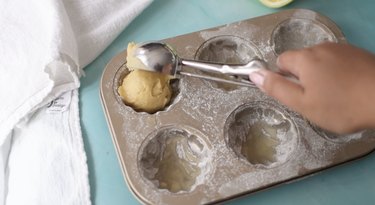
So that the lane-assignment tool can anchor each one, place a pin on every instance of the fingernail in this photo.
(257, 78)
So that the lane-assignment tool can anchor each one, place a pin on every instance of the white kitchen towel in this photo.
(44, 44)
(47, 163)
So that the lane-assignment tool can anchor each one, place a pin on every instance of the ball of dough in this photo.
(146, 91)
(133, 62)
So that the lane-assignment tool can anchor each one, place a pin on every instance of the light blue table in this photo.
(352, 183)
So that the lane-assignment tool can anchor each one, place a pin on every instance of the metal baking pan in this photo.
(217, 141)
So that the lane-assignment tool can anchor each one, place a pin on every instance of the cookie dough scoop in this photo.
(160, 57)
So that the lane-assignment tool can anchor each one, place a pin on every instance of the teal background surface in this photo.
(351, 183)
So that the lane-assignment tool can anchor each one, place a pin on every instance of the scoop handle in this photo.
(243, 70)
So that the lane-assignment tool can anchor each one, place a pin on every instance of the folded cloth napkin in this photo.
(44, 46)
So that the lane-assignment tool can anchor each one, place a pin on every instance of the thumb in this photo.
(287, 92)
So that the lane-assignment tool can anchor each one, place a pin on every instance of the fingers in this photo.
(277, 86)
(289, 62)
(295, 61)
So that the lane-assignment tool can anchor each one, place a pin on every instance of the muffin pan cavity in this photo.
(296, 33)
(343, 138)
(226, 49)
(262, 135)
(174, 159)
(124, 71)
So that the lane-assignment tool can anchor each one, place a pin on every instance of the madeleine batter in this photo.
(144, 90)
(132, 62)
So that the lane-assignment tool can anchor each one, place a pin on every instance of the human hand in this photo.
(336, 88)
